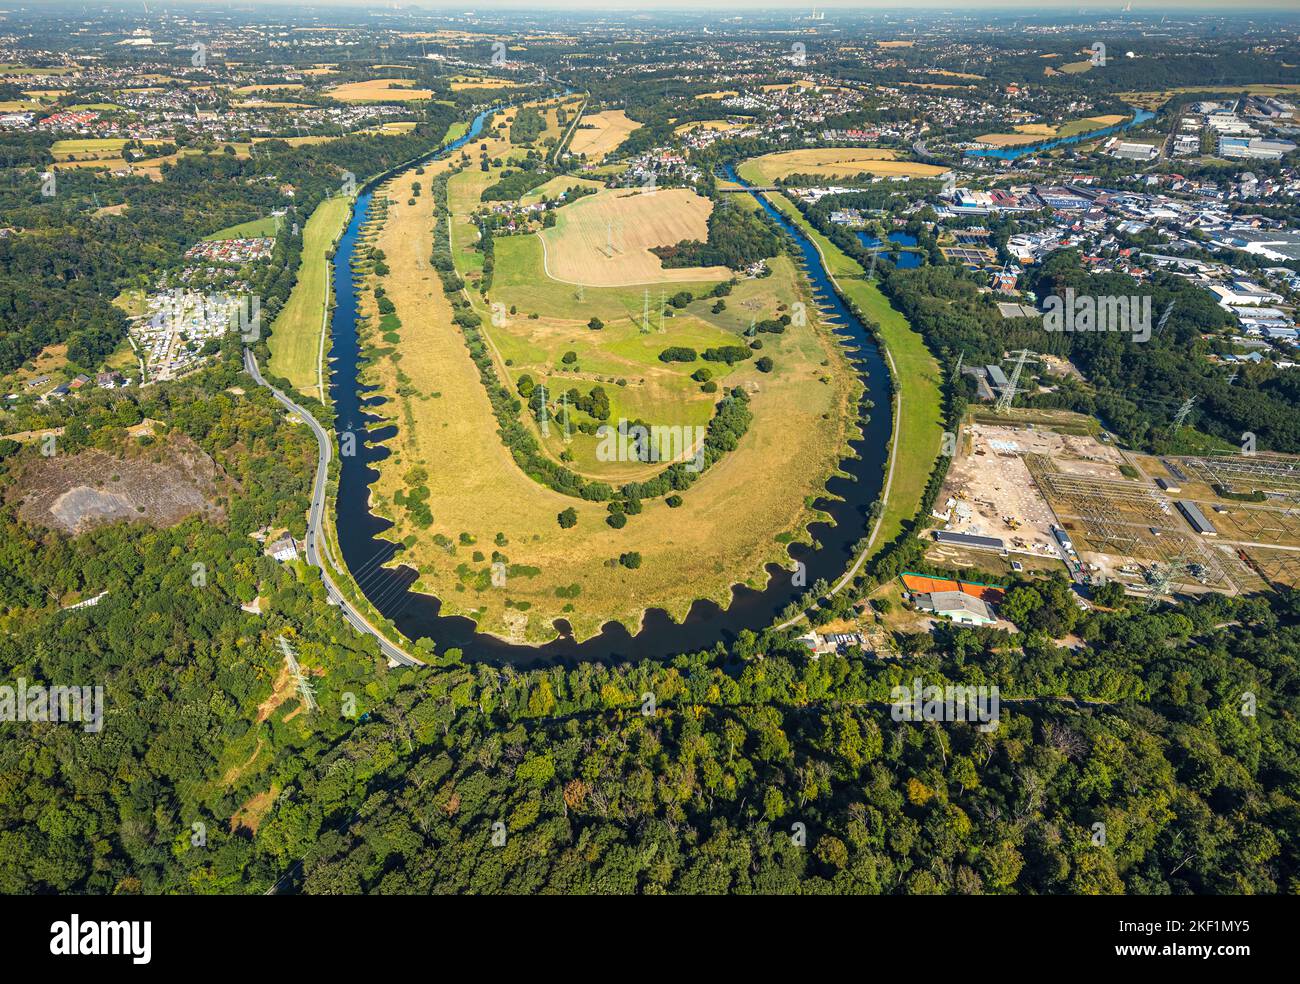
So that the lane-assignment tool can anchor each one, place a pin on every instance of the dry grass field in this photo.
(1154, 100)
(578, 247)
(1030, 133)
(734, 520)
(378, 90)
(461, 83)
(87, 148)
(557, 186)
(830, 162)
(248, 90)
(721, 125)
(601, 133)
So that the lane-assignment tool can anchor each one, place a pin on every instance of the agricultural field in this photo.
(557, 186)
(831, 162)
(482, 502)
(462, 82)
(378, 90)
(601, 133)
(719, 125)
(1031, 133)
(604, 240)
(87, 148)
(295, 341)
(1154, 100)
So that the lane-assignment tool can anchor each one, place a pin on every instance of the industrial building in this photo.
(958, 606)
(970, 540)
(1195, 518)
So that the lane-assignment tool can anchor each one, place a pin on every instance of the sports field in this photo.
(735, 519)
(601, 133)
(829, 162)
(296, 334)
(604, 240)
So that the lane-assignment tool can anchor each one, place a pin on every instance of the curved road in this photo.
(316, 545)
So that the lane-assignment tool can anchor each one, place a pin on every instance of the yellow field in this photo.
(611, 128)
(557, 186)
(720, 94)
(934, 85)
(378, 90)
(462, 83)
(388, 129)
(577, 246)
(1030, 133)
(721, 125)
(830, 162)
(1154, 100)
(799, 84)
(726, 530)
(87, 148)
(245, 90)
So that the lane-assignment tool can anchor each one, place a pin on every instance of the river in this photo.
(418, 615)
(1013, 153)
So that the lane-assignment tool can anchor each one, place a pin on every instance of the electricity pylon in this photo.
(1008, 393)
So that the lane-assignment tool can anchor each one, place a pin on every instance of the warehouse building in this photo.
(1195, 518)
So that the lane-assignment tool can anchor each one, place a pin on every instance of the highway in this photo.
(317, 546)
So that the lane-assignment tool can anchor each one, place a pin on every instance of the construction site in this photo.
(1035, 490)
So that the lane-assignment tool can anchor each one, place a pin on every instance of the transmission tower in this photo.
(645, 312)
(1008, 393)
(1181, 415)
(1162, 577)
(956, 370)
(662, 301)
(543, 420)
(296, 671)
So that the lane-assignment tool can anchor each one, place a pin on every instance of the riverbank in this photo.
(473, 504)
(917, 385)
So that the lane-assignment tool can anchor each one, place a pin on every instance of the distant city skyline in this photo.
(845, 6)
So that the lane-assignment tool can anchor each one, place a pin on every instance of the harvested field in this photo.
(601, 133)
(829, 162)
(379, 90)
(604, 240)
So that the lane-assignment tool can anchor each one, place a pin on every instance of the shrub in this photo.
(678, 353)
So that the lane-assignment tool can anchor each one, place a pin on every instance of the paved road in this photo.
(316, 543)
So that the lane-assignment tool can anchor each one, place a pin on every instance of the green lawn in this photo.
(253, 229)
(918, 417)
(295, 336)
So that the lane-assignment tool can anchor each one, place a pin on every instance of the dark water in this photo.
(903, 259)
(1012, 153)
(417, 615)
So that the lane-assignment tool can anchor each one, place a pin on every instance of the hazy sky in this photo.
(702, 6)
